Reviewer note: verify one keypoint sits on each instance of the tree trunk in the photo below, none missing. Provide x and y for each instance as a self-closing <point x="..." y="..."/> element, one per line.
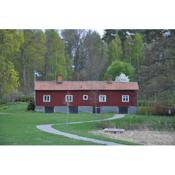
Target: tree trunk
<point x="23" y="71"/>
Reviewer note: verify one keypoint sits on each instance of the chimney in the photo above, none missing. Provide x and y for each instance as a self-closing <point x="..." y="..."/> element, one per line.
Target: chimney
<point x="59" y="79"/>
<point x="109" y="81"/>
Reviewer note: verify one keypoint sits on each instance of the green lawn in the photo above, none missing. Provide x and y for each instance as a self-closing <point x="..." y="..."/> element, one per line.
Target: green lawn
<point x="18" y="126"/>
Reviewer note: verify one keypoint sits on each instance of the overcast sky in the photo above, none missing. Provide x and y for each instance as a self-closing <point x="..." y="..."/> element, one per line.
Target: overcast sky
<point x="100" y="31"/>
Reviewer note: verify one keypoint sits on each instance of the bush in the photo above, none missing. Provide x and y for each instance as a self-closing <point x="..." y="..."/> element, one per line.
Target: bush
<point x="145" y="110"/>
<point x="163" y="110"/>
<point x="31" y="106"/>
<point x="11" y="97"/>
<point x="157" y="109"/>
<point x="24" y="99"/>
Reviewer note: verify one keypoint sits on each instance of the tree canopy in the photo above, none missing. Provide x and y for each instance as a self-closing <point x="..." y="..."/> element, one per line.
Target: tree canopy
<point x="118" y="67"/>
<point x="146" y="56"/>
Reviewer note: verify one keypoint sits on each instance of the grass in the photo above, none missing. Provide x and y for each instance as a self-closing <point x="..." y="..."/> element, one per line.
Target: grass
<point x="150" y="122"/>
<point x="142" y="122"/>
<point x="18" y="126"/>
<point x="83" y="130"/>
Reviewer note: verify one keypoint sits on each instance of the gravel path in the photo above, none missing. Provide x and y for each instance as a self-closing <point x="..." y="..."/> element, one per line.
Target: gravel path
<point x="49" y="129"/>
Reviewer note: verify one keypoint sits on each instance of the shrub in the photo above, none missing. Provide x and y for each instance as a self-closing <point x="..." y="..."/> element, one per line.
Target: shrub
<point x="11" y="97"/>
<point x="163" y="110"/>
<point x="24" y="99"/>
<point x="31" y="106"/>
<point x="145" y="110"/>
<point x="157" y="109"/>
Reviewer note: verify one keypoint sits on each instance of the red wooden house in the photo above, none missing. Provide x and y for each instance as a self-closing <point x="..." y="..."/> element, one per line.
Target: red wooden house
<point x="85" y="96"/>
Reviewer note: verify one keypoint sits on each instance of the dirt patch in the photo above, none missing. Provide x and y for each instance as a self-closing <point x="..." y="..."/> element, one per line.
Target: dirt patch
<point x="142" y="137"/>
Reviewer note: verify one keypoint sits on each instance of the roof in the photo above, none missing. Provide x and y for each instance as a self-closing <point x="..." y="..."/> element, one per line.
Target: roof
<point x="85" y="85"/>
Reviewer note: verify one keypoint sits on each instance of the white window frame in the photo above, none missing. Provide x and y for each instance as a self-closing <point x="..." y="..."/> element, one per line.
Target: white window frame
<point x="85" y="97"/>
<point x="125" y="98"/>
<point x="68" y="98"/>
<point x="102" y="98"/>
<point x="47" y="98"/>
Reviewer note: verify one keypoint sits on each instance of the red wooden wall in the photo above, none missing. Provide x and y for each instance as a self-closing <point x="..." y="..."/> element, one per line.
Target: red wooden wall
<point x="113" y="98"/>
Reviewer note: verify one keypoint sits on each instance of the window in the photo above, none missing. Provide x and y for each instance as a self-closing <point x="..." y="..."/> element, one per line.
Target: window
<point x="46" y="98"/>
<point x="102" y="98"/>
<point x="125" y="98"/>
<point x="69" y="98"/>
<point x="85" y="97"/>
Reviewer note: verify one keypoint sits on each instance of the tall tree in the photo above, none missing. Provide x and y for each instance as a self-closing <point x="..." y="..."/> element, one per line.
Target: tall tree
<point x="115" y="49"/>
<point x="156" y="74"/>
<point x="30" y="58"/>
<point x="8" y="76"/>
<point x="94" y="57"/>
<point x="109" y="35"/>
<point x="73" y="40"/>
<point x="55" y="56"/>
<point x="10" y="41"/>
<point x="128" y="50"/>
<point x="138" y="50"/>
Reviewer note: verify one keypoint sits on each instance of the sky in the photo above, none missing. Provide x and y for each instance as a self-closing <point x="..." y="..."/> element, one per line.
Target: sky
<point x="100" y="31"/>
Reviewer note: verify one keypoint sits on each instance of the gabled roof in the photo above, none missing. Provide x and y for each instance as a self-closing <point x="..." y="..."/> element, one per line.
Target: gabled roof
<point x="85" y="85"/>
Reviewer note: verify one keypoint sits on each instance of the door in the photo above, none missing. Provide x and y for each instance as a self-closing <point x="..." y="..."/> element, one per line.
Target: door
<point x="49" y="109"/>
<point x="96" y="109"/>
<point x="73" y="109"/>
<point x="123" y="110"/>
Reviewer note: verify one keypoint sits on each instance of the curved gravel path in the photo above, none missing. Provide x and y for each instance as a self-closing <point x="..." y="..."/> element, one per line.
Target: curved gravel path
<point x="49" y="129"/>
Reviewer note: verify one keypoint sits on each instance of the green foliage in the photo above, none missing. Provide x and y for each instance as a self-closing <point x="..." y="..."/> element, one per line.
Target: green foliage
<point x="31" y="106"/>
<point x="10" y="42"/>
<point x="9" y="76"/>
<point x="55" y="58"/>
<point x="109" y="35"/>
<point x="30" y="58"/>
<point x="93" y="55"/>
<point x="138" y="50"/>
<point x="118" y="67"/>
<point x="83" y="55"/>
<point x="24" y="98"/>
<point x="151" y="122"/>
<point x="134" y="50"/>
<point x="156" y="74"/>
<point x="128" y="50"/>
<point x="145" y="110"/>
<point x="115" y="49"/>
<point x="86" y="50"/>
